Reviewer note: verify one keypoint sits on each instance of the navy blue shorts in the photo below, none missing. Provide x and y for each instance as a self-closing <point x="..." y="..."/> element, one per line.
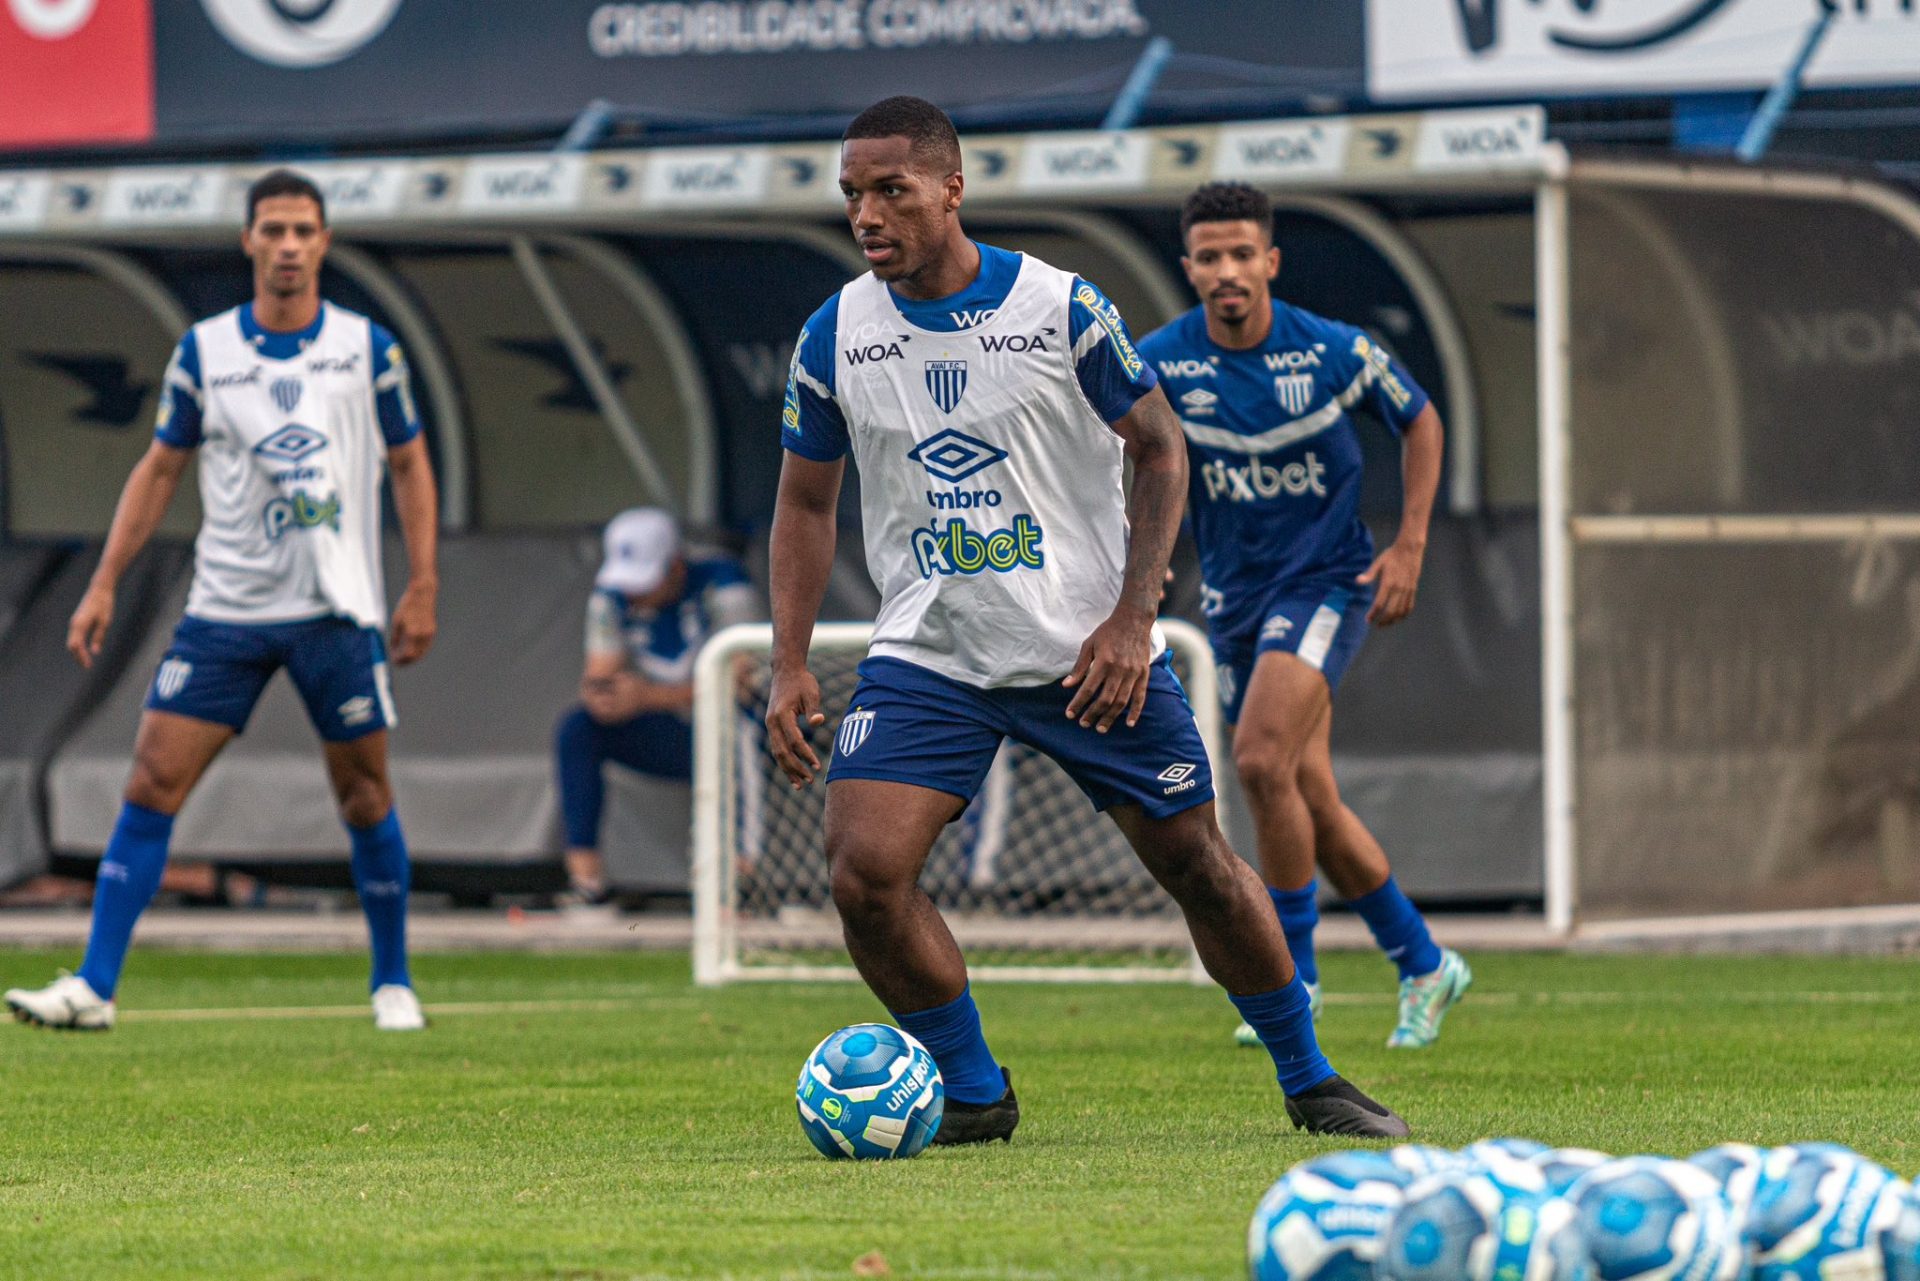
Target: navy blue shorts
<point x="217" y="671"/>
<point x="906" y="724"/>
<point x="1321" y="625"/>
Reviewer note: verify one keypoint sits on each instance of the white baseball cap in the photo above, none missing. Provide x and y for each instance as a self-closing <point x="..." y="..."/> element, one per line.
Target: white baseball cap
<point x="640" y="546"/>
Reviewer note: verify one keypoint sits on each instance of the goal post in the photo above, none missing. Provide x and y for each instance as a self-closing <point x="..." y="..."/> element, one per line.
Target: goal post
<point x="1035" y="885"/>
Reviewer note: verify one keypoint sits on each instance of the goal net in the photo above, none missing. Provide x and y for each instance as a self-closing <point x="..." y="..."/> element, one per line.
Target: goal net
<point x="1033" y="882"/>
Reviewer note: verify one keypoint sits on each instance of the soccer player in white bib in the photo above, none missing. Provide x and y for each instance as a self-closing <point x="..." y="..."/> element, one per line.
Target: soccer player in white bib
<point x="1291" y="577"/>
<point x="989" y="400"/>
<point x="295" y="407"/>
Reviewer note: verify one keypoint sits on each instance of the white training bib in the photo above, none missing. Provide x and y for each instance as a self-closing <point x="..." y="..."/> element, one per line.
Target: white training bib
<point x="991" y="491"/>
<point x="290" y="466"/>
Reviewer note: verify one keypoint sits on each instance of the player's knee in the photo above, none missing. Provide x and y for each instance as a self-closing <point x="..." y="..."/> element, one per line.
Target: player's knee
<point x="1195" y="864"/>
<point x="864" y="882"/>
<point x="364" y="800"/>
<point x="157" y="783"/>
<point x="1266" y="766"/>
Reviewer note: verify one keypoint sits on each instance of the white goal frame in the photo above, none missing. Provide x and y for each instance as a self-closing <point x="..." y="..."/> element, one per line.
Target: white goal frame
<point x="716" y="925"/>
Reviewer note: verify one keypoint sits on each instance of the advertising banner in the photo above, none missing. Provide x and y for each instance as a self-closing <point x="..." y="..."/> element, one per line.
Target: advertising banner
<point x="75" y="72"/>
<point x="1496" y="48"/>
<point x="293" y="69"/>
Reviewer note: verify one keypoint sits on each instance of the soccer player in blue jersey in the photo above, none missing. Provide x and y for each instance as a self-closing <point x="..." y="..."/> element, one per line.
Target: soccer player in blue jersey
<point x="1291" y="580"/>
<point x="652" y="608"/>
<point x="295" y="407"/>
<point x="989" y="400"/>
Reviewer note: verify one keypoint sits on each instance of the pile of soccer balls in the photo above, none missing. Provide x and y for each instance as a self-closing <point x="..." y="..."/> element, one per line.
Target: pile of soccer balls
<point x="1516" y="1210"/>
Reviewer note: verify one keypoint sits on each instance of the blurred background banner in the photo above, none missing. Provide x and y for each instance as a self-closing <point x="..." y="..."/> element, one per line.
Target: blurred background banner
<point x="75" y="71"/>
<point x="1428" y="49"/>
<point x="282" y="70"/>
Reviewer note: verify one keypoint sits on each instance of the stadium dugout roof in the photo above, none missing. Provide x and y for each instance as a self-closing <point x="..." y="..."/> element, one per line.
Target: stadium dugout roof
<point x="1499" y="149"/>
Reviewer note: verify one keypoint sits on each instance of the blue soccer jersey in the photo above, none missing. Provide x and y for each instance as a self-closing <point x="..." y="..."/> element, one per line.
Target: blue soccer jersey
<point x="1274" y="489"/>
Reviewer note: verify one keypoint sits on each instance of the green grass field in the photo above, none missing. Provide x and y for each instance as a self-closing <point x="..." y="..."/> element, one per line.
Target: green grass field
<point x="598" y="1117"/>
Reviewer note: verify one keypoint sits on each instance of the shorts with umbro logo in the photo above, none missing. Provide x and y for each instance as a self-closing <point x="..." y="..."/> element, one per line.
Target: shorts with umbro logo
<point x="1322" y="624"/>
<point x="217" y="672"/>
<point x="906" y="724"/>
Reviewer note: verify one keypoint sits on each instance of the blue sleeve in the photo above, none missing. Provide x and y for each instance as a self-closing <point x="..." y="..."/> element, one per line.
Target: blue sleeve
<point x="1379" y="380"/>
<point x="811" y="424"/>
<point x="178" y="423"/>
<point x="721" y="571"/>
<point x="393" y="390"/>
<point x="1112" y="374"/>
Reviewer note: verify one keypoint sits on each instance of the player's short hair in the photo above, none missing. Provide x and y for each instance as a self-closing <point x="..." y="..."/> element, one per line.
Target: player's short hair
<point x="284" y="182"/>
<point x="1227" y="202"/>
<point x="927" y="129"/>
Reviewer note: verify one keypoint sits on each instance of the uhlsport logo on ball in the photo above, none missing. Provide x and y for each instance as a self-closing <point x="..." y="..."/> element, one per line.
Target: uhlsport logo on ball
<point x="870" y="1092"/>
<point x="1326" y="1219"/>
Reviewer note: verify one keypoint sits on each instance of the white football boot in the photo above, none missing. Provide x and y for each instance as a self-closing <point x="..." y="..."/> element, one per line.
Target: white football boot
<point x="397" y="1009"/>
<point x="67" y="1002"/>
<point x="1245" y="1037"/>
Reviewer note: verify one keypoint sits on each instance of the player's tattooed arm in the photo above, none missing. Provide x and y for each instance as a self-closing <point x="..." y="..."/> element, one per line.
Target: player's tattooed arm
<point x="1395" y="572"/>
<point x="1112" y="669"/>
<point x="799" y="563"/>
<point x="143" y="502"/>
<point x="417" y="503"/>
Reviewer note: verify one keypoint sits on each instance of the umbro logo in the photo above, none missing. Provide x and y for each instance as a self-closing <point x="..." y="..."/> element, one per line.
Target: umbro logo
<point x="953" y="456"/>
<point x="357" y="710"/>
<point x="1199" y="401"/>
<point x="1276" y="628"/>
<point x="291" y="444"/>
<point x="1178" y="777"/>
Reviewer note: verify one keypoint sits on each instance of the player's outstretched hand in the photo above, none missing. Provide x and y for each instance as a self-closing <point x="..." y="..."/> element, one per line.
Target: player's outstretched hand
<point x="1395" y="576"/>
<point x="89" y="625"/>
<point x="413" y="625"/>
<point x="1110" y="676"/>
<point x="794" y="702"/>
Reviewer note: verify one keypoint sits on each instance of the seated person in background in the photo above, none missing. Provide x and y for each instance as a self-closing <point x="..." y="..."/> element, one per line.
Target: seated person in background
<point x="652" y="609"/>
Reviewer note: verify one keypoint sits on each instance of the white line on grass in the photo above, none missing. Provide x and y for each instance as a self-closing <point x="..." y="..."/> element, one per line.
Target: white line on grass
<point x="610" y="1004"/>
<point x="360" y="1011"/>
<point x="1646" y="998"/>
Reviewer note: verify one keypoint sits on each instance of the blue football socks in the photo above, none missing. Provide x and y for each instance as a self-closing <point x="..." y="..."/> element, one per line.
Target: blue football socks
<point x="381" y="874"/>
<point x="1299" y="912"/>
<point x="1399" y="929"/>
<point x="130" y="871"/>
<point x="1284" y="1020"/>
<point x="951" y="1033"/>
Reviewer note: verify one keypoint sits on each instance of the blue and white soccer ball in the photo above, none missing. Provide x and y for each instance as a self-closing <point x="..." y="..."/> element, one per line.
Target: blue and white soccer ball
<point x="1822" y="1211"/>
<point x="1736" y="1168"/>
<point x="1488" y="1151"/>
<point x="1483" y="1227"/>
<point x="1325" y="1219"/>
<point x="1900" y="1245"/>
<point x="870" y="1092"/>
<point x="1563" y="1167"/>
<point x="1650" y="1219"/>
<point x="1422" y="1160"/>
